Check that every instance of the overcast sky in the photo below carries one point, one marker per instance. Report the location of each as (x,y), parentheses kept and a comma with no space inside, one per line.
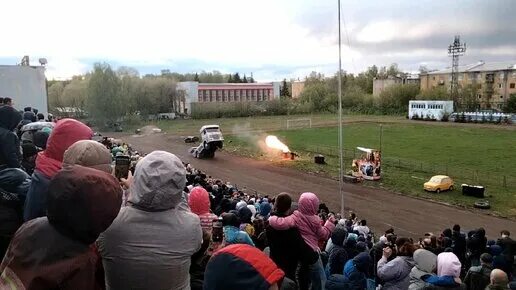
(274,39)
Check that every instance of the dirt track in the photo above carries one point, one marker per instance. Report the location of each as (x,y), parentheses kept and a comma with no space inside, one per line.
(382,209)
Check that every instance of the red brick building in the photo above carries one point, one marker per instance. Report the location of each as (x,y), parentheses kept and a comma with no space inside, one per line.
(230,92)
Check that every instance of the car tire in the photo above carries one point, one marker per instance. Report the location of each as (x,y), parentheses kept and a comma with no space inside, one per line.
(482,204)
(451,188)
(438,190)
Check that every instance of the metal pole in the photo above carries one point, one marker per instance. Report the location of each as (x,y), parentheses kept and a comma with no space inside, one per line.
(341,168)
(381,135)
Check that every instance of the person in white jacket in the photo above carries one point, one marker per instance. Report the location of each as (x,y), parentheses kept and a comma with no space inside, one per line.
(362,228)
(150,243)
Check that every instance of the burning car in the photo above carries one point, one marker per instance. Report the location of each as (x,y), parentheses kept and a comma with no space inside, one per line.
(212,139)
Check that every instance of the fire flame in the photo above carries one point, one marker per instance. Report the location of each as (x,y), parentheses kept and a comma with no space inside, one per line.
(274,143)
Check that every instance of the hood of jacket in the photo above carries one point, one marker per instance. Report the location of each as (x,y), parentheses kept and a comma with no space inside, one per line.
(495,250)
(426,261)
(361,262)
(250,269)
(245,215)
(265,208)
(338,236)
(159,181)
(199,201)
(252,208)
(448,265)
(308,203)
(83,202)
(230,219)
(29,116)
(89,153)
(9,118)
(65,133)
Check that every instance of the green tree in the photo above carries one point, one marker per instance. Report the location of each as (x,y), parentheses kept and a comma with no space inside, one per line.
(395,99)
(393,70)
(104,99)
(244,80)
(236,78)
(55,92)
(196,77)
(284,91)
(436,93)
(230,78)
(510,107)
(251,79)
(468,97)
(75,93)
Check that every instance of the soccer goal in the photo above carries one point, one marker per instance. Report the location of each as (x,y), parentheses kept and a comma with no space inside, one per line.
(299,123)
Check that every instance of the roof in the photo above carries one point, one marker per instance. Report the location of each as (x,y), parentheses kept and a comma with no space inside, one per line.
(235,84)
(441,176)
(479,67)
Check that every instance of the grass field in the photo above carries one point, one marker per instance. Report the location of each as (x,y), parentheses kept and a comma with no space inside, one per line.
(412,151)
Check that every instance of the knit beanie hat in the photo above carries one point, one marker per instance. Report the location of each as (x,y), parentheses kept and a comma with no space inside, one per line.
(89,153)
(241,266)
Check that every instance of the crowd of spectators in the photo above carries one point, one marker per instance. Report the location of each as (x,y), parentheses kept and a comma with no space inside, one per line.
(71,224)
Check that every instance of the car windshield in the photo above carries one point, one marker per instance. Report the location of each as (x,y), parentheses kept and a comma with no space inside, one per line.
(212,130)
(435,180)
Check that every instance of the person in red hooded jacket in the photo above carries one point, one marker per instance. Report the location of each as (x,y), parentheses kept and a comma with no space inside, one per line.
(199,202)
(49,162)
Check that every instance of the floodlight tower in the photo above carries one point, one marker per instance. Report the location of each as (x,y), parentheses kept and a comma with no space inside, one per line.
(455,50)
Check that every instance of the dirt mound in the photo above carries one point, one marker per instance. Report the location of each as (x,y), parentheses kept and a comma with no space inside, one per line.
(150,129)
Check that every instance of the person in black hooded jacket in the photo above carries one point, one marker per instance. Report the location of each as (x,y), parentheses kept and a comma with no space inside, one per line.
(10,154)
(14,182)
(338,255)
(287,247)
(476,244)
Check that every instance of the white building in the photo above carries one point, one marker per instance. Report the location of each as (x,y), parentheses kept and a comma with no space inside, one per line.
(195,92)
(26,85)
(429,109)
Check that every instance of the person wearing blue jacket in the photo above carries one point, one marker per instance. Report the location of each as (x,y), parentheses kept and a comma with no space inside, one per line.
(354,274)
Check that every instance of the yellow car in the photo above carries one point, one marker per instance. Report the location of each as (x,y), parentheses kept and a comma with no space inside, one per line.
(439,183)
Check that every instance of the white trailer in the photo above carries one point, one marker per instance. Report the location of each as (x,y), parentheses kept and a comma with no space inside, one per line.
(26,85)
(430,109)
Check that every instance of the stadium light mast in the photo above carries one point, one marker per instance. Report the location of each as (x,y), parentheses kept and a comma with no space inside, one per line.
(341,161)
(455,50)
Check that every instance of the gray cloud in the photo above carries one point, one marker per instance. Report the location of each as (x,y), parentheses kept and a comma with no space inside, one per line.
(488,28)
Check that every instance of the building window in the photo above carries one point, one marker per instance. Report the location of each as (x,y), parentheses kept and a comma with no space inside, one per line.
(512,85)
(501,97)
(479,96)
(499,86)
(479,76)
(500,106)
(480,86)
(502,75)
(433,78)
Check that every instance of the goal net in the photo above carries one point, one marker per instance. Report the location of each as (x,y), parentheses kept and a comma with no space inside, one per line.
(299,123)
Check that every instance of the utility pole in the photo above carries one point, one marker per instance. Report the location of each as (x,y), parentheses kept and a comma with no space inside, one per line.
(455,50)
(341,168)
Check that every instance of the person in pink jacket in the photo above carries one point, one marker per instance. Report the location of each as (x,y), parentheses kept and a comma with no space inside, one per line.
(309,224)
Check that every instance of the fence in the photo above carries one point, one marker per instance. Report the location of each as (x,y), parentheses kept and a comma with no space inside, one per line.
(462,175)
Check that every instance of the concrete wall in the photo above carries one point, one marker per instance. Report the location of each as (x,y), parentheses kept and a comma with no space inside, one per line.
(297,89)
(190,89)
(26,85)
(379,85)
(276,89)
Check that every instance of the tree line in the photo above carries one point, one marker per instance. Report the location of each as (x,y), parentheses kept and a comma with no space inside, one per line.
(320,93)
(107,94)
